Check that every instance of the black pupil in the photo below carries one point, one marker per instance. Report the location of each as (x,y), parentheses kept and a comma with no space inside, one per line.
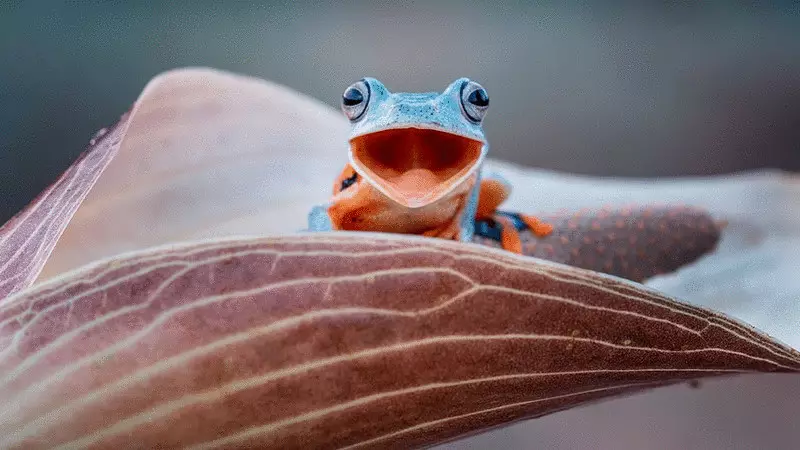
(478,97)
(347,182)
(352,96)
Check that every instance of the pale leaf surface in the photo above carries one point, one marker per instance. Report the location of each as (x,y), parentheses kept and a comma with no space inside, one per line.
(207,154)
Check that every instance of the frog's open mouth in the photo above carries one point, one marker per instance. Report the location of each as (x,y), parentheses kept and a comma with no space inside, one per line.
(415,167)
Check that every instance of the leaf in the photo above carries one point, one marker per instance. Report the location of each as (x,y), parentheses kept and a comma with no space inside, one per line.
(27,240)
(202,153)
(634,242)
(303,342)
(751,274)
(739,412)
(207,154)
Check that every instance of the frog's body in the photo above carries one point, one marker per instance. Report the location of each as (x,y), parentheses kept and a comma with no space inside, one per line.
(415,166)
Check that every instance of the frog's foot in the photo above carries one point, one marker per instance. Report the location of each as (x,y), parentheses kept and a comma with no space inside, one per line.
(536,225)
(505,228)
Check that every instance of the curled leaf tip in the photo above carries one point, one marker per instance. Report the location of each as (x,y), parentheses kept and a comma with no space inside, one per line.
(28,238)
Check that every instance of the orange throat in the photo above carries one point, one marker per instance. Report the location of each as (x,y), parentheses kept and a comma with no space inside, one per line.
(415,167)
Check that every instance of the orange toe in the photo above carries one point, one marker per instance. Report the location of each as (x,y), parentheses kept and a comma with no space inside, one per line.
(510,236)
(536,226)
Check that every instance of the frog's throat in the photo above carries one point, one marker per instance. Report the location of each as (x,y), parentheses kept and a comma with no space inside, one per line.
(415,167)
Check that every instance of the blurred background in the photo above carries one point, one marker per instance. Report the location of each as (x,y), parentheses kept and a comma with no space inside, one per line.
(631,89)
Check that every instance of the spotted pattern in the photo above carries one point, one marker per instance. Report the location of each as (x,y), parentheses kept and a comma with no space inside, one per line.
(636,242)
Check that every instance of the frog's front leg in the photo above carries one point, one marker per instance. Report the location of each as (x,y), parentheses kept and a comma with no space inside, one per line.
(494,190)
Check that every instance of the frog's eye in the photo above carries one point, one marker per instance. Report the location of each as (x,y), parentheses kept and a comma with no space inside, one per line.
(355,100)
(349,181)
(474,101)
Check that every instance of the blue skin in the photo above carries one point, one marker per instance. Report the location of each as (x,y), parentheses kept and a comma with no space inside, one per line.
(438,111)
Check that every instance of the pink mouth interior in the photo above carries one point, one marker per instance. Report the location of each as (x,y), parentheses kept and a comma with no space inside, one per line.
(415,166)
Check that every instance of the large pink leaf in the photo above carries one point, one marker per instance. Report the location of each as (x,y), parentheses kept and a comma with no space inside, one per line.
(338,341)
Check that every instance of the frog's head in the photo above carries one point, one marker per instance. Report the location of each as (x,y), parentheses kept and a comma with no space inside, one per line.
(416,148)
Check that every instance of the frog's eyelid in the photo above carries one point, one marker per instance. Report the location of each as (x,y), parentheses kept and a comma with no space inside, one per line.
(369,91)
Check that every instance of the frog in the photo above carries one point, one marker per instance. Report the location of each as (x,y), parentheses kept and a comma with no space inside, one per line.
(415,166)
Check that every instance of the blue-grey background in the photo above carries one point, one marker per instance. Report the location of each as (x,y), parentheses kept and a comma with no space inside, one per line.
(625,89)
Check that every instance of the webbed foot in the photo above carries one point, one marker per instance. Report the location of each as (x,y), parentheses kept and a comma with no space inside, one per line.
(505,227)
